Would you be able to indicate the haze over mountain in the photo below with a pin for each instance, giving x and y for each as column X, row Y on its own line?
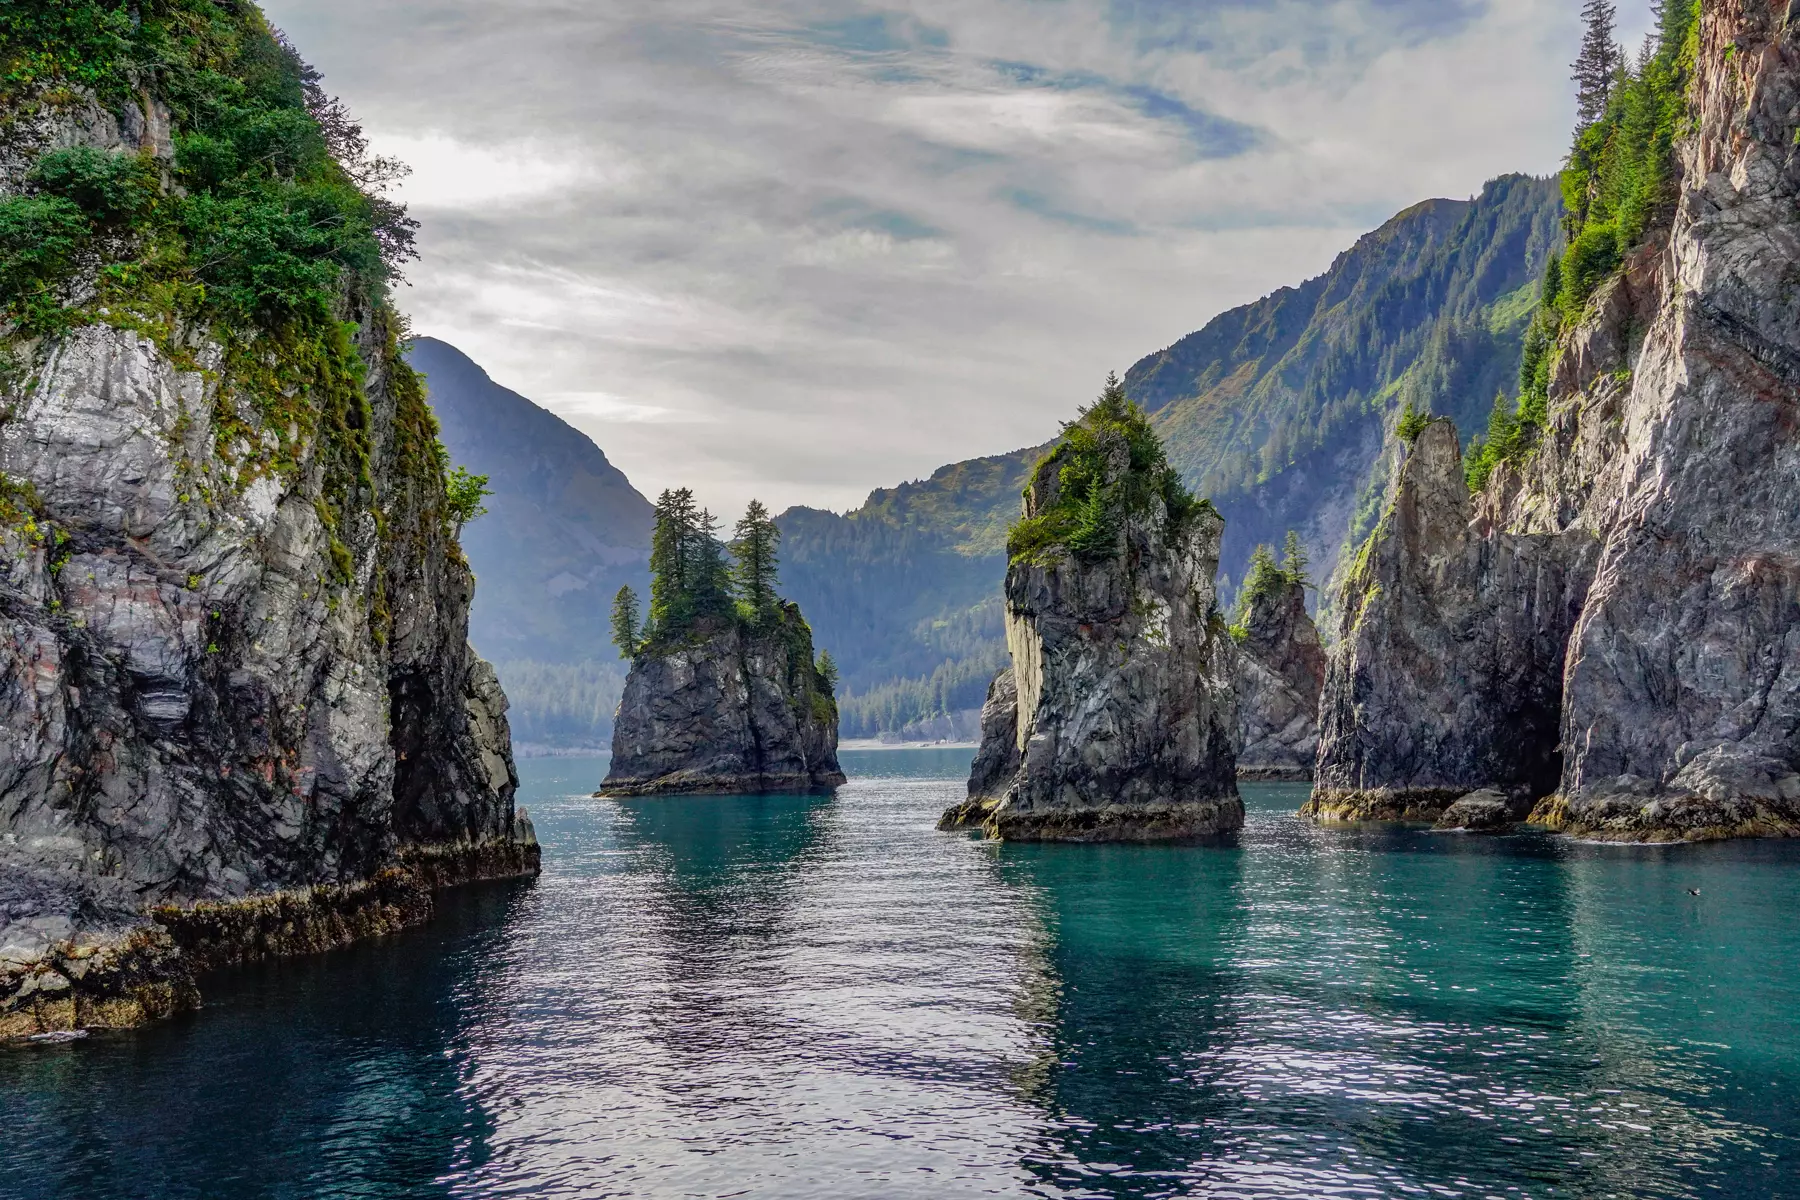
column 563, row 532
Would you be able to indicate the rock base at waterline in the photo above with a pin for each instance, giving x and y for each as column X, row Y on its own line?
column 119, row 978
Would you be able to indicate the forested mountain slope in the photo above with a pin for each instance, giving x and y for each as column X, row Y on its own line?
column 1277, row 410
column 563, row 531
column 905, row 591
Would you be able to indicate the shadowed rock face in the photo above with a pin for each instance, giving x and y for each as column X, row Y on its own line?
column 1280, row 672
column 1116, row 723
column 1448, row 673
column 1658, row 505
column 729, row 709
column 211, row 694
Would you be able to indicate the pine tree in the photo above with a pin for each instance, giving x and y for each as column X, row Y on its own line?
column 754, row 545
column 1293, row 560
column 625, row 633
column 828, row 672
column 709, row 579
column 671, row 560
column 1674, row 18
column 1597, row 66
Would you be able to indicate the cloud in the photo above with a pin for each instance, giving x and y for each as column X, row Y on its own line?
column 799, row 249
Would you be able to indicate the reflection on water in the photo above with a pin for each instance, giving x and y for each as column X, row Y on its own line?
column 823, row 996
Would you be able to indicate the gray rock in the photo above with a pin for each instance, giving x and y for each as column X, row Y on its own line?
column 1486, row 811
column 728, row 709
column 997, row 761
column 1448, row 670
column 1120, row 692
column 211, row 695
column 1670, row 450
column 1280, row 671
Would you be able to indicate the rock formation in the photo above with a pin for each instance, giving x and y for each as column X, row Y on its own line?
column 1280, row 670
column 1448, row 667
column 240, row 715
column 726, row 707
column 1653, row 515
column 1115, row 722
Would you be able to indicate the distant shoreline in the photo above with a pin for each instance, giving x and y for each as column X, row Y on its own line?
column 877, row 744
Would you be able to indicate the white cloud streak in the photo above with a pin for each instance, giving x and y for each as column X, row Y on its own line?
column 798, row 249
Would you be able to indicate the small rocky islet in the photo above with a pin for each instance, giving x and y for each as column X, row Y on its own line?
column 724, row 694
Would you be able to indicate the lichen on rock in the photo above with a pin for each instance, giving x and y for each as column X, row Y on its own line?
column 1115, row 721
column 232, row 610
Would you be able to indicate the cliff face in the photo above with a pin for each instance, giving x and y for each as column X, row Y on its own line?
column 237, row 681
column 1447, row 675
column 1669, row 461
column 1120, row 699
column 728, row 708
column 1280, row 670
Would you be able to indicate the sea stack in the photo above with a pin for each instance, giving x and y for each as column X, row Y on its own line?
column 724, row 695
column 1447, row 671
column 1280, row 671
column 1612, row 621
column 1115, row 720
column 242, row 715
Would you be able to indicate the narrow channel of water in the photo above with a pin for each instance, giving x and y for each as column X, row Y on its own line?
column 824, row 997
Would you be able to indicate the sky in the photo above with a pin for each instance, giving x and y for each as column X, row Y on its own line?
column 797, row 250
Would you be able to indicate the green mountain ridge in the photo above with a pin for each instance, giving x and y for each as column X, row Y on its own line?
column 1278, row 410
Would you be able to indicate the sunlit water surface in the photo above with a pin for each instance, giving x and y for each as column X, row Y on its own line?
column 800, row 997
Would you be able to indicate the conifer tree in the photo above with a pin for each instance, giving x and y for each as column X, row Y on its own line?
column 1597, row 66
column 671, row 559
column 754, row 545
column 828, row 672
column 625, row 633
column 709, row 579
column 1293, row 560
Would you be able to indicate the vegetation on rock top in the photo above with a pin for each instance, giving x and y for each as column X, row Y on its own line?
column 261, row 227
column 695, row 590
column 1110, row 467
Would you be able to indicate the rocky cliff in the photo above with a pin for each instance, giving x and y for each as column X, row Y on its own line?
column 726, row 707
column 1279, row 673
column 1447, row 672
column 1653, row 510
column 1115, row 721
column 240, row 712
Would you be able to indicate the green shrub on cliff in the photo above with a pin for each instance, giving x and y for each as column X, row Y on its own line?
column 1110, row 465
column 1618, row 188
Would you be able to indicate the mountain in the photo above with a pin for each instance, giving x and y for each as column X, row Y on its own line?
column 563, row 531
column 905, row 591
column 1277, row 410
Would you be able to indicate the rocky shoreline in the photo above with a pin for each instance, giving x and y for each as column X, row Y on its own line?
column 152, row 971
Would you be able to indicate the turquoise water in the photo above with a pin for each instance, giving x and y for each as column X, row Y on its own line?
column 824, row 997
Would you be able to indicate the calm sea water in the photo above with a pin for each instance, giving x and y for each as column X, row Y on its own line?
column 824, row 997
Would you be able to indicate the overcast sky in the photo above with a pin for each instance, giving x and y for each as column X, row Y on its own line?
column 798, row 249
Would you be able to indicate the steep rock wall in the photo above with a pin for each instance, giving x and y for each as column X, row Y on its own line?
column 1662, row 488
column 1448, row 670
column 229, row 676
column 1120, row 697
column 1280, row 671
